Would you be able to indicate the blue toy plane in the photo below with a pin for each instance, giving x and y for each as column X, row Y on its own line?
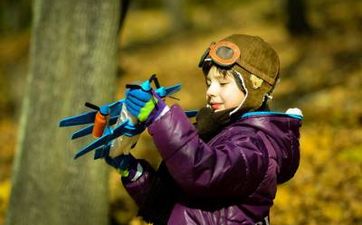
column 112, row 121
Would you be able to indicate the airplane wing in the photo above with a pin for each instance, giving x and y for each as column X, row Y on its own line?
column 116, row 122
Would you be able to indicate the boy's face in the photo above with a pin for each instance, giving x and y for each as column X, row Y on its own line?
column 222, row 92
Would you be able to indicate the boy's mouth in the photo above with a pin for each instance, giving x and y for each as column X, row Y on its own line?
column 215, row 106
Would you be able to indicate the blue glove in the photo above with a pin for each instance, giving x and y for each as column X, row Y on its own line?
column 123, row 163
column 144, row 103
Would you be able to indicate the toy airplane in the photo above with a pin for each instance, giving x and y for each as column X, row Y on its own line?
column 113, row 121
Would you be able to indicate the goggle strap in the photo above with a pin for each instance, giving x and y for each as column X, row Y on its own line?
column 204, row 56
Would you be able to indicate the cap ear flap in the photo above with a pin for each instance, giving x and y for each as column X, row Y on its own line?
column 239, row 78
column 256, row 91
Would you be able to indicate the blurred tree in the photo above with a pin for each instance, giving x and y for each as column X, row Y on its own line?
column 297, row 23
column 146, row 4
column 14, row 15
column 124, row 6
column 73, row 59
column 177, row 10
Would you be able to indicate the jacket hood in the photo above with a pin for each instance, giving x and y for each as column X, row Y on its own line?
column 283, row 130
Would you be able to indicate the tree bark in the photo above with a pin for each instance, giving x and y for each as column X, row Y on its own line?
column 177, row 11
column 73, row 59
column 15, row 16
column 297, row 23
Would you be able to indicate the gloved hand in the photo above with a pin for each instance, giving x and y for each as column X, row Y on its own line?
column 144, row 103
column 123, row 163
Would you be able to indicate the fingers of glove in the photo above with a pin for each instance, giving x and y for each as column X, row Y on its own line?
column 139, row 94
column 132, row 108
column 136, row 101
column 109, row 160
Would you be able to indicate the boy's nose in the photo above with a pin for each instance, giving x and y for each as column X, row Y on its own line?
column 211, row 91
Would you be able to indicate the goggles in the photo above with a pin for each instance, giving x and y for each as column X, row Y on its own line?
column 223, row 53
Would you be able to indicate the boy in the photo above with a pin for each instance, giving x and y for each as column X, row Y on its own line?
column 225, row 169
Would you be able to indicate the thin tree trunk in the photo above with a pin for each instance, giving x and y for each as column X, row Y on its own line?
column 297, row 22
column 73, row 60
column 177, row 12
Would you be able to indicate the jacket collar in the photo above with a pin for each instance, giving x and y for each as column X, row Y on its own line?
column 270, row 113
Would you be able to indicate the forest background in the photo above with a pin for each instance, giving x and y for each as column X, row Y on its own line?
column 320, row 73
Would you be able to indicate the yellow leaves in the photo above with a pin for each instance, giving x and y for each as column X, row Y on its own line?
column 155, row 24
column 356, row 209
column 8, row 129
column 316, row 143
column 352, row 154
column 13, row 47
column 333, row 212
column 4, row 197
column 4, row 193
column 327, row 187
column 8, row 136
column 137, row 221
column 283, row 198
column 123, row 207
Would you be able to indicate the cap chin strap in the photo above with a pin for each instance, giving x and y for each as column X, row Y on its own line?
column 246, row 93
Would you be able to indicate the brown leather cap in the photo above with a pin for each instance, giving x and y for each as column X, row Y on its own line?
column 257, row 57
column 257, row 68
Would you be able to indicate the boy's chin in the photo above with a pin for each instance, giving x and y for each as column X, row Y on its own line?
column 218, row 110
column 221, row 111
column 224, row 110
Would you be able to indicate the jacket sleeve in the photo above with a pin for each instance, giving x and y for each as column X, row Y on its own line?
column 139, row 188
column 233, row 165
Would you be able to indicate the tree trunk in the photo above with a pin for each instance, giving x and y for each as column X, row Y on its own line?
column 297, row 23
column 14, row 16
column 73, row 60
column 177, row 11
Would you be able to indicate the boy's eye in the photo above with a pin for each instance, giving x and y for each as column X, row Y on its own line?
column 223, row 83
column 208, row 83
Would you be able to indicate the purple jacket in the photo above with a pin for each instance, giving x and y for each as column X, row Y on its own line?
column 243, row 164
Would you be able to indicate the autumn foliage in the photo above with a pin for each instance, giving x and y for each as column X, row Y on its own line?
column 321, row 74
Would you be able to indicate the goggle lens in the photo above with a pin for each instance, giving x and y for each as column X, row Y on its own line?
column 223, row 53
